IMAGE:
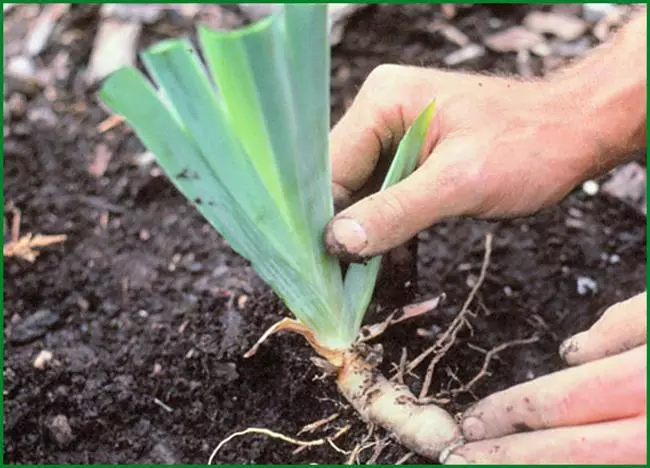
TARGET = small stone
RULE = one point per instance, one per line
(565, 27)
(464, 54)
(451, 33)
(575, 212)
(144, 159)
(60, 430)
(586, 285)
(507, 290)
(628, 183)
(42, 115)
(43, 358)
(590, 187)
(144, 235)
(143, 313)
(614, 259)
(571, 49)
(34, 326)
(541, 50)
(241, 301)
(574, 223)
(513, 39)
(596, 11)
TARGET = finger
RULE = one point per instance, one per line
(390, 99)
(369, 127)
(443, 186)
(622, 327)
(613, 442)
(611, 388)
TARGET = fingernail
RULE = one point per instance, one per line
(349, 235)
(572, 345)
(455, 460)
(473, 428)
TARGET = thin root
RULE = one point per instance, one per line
(444, 343)
(486, 362)
(330, 440)
(404, 459)
(267, 432)
(318, 424)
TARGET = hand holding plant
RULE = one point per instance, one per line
(497, 147)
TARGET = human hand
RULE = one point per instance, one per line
(497, 147)
(592, 413)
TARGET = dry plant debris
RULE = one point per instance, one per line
(23, 247)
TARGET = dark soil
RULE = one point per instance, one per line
(147, 311)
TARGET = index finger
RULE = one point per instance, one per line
(611, 388)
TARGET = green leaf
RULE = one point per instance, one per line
(245, 137)
(360, 278)
(248, 143)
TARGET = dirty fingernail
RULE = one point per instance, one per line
(348, 235)
(571, 346)
(455, 460)
(473, 428)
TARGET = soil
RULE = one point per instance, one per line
(147, 311)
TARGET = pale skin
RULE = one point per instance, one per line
(503, 147)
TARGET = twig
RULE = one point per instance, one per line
(110, 122)
(163, 405)
(449, 336)
(486, 362)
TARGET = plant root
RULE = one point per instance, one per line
(277, 435)
(424, 429)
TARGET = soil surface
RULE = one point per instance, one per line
(147, 312)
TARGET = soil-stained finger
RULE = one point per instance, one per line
(611, 388)
(614, 442)
(623, 326)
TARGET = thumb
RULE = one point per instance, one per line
(440, 188)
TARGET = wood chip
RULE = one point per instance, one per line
(465, 54)
(114, 47)
(566, 27)
(101, 158)
(24, 247)
(40, 33)
(513, 39)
